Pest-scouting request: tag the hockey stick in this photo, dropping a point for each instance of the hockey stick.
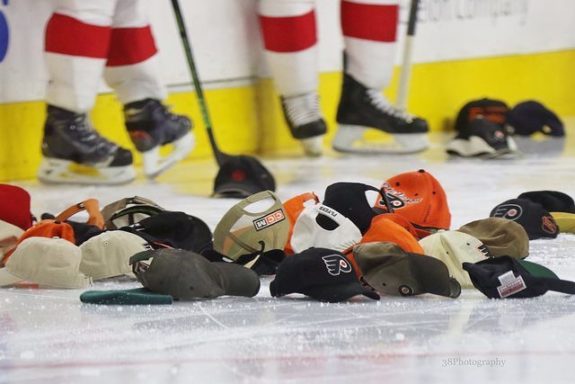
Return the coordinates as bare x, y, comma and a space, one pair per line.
257, 172
403, 86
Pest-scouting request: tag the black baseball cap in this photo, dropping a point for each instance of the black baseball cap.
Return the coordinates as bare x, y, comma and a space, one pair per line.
392, 271
320, 273
501, 277
536, 220
531, 116
186, 275
552, 201
350, 200
174, 229
241, 176
492, 110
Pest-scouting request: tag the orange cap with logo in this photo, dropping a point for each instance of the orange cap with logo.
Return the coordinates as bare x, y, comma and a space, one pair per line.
418, 197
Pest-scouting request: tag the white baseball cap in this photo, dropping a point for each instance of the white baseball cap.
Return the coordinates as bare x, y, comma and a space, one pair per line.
455, 248
107, 255
323, 227
48, 262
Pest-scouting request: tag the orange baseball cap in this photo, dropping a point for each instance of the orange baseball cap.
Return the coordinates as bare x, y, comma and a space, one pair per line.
384, 230
293, 208
402, 222
420, 198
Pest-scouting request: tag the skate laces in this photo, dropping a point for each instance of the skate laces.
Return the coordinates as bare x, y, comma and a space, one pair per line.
86, 133
302, 109
381, 103
166, 111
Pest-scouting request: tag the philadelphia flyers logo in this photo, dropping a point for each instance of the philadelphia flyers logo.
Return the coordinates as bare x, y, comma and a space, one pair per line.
508, 211
336, 264
394, 201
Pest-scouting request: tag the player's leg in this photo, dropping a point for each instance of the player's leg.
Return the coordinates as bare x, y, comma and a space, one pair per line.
76, 44
132, 70
370, 33
290, 41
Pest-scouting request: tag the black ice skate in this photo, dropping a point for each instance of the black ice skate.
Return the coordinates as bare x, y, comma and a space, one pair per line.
303, 117
74, 153
151, 125
361, 108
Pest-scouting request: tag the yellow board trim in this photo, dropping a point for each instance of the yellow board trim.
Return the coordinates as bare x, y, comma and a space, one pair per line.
249, 119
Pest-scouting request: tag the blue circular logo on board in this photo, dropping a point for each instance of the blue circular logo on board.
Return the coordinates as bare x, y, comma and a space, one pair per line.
4, 34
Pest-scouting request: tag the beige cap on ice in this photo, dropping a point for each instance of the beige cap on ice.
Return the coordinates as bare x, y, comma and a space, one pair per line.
241, 231
47, 262
455, 248
108, 254
501, 236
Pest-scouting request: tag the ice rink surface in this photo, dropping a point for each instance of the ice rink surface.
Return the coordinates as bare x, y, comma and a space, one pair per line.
48, 336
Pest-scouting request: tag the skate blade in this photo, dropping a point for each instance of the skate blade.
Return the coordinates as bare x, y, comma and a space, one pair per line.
154, 164
349, 139
56, 171
313, 146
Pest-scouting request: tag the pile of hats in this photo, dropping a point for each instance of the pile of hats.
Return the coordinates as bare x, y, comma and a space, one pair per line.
58, 252
485, 127
396, 243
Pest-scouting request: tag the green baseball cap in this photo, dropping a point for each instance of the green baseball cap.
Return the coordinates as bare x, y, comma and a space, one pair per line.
138, 296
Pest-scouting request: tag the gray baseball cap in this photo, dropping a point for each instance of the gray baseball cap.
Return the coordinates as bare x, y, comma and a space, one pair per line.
392, 271
186, 275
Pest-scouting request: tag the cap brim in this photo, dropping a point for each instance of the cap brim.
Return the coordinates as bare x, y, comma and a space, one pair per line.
337, 293
430, 285
6, 278
565, 221
138, 296
238, 280
537, 270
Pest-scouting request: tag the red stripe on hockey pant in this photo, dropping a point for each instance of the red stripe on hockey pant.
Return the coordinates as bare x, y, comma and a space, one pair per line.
369, 21
289, 34
69, 36
131, 46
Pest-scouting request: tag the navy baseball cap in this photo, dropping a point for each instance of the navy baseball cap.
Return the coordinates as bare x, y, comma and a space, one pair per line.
506, 277
536, 220
531, 116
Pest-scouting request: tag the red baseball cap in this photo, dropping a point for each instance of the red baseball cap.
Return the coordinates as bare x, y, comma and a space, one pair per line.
15, 206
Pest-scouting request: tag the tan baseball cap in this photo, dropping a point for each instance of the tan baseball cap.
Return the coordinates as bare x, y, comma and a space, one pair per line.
47, 262
108, 254
502, 237
246, 228
455, 248
392, 271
